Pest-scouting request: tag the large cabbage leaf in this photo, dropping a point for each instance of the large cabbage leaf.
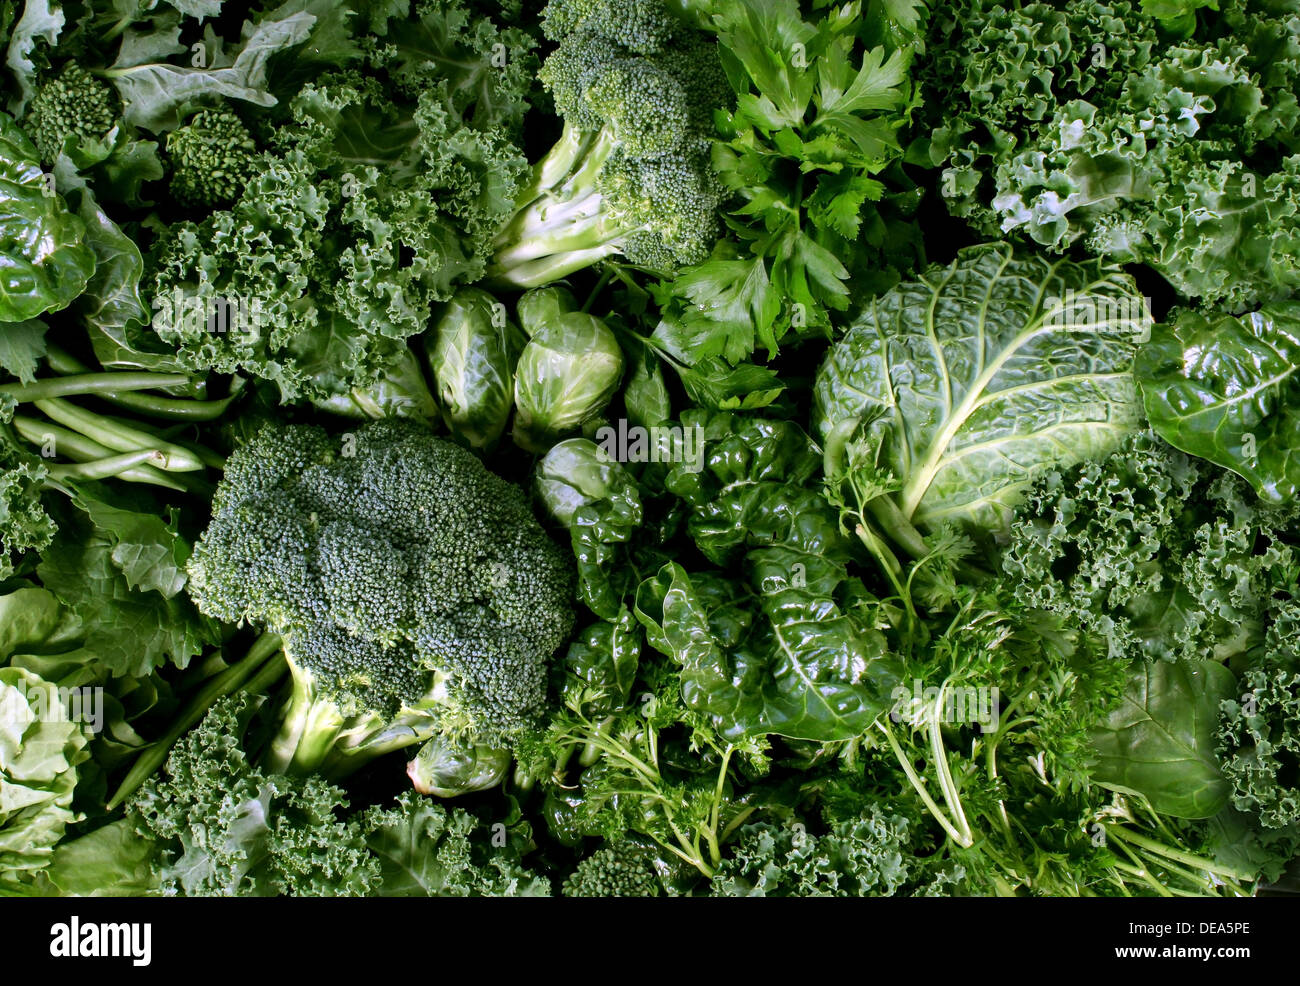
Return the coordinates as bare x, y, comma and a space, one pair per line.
971, 381
39, 749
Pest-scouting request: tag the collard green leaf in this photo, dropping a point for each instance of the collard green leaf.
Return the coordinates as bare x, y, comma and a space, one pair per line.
120, 575
1159, 741
1227, 389
976, 378
44, 261
42, 20
153, 92
111, 306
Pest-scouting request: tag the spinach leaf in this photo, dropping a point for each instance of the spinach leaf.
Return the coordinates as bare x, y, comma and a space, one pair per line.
1159, 741
1227, 389
770, 644
46, 262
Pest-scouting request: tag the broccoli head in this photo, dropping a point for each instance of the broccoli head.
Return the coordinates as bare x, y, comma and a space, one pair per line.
71, 104
415, 591
621, 869
631, 173
213, 158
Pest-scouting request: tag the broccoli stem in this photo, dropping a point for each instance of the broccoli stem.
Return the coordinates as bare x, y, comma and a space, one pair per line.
264, 657
309, 727
561, 223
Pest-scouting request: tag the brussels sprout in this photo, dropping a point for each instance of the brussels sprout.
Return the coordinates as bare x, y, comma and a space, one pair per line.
542, 305
472, 352
401, 392
566, 376
446, 768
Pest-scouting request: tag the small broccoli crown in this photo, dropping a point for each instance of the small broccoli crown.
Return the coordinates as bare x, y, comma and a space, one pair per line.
360, 676
650, 104
670, 201
632, 172
72, 104
384, 556
642, 26
622, 869
213, 157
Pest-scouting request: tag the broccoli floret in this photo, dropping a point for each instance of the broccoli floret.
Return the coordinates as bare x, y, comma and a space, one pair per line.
224, 828
415, 591
631, 172
72, 104
622, 869
213, 157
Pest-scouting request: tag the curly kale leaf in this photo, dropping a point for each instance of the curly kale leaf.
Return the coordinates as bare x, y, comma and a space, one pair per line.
1077, 123
1159, 555
380, 196
427, 850
870, 856
224, 828
1259, 737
